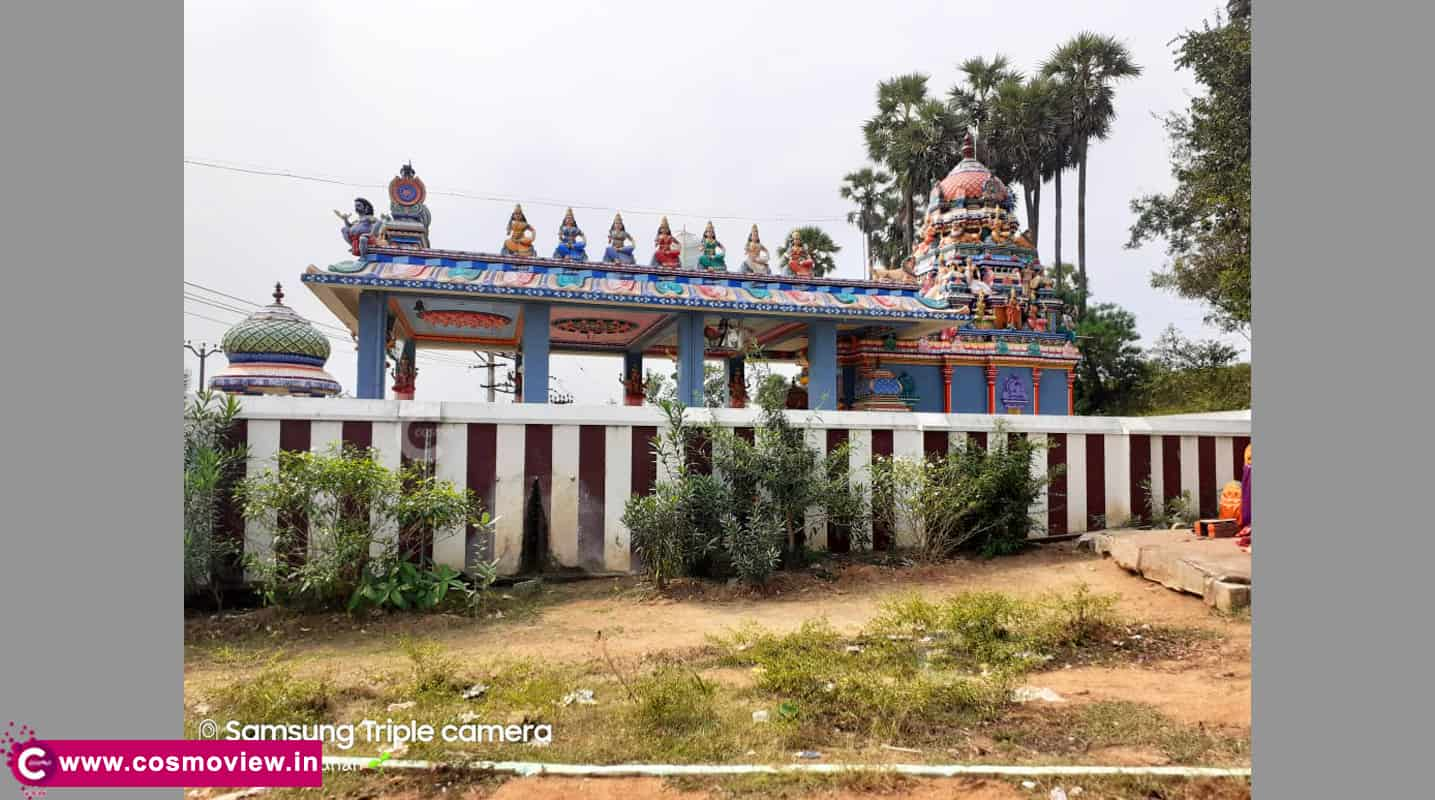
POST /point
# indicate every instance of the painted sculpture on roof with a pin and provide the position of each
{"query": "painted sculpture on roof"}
(906, 274)
(520, 235)
(360, 227)
(799, 263)
(572, 244)
(714, 256)
(408, 220)
(667, 252)
(755, 256)
(620, 243)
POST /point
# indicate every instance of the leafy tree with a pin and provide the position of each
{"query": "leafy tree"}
(1206, 220)
(818, 245)
(1172, 351)
(865, 188)
(1089, 66)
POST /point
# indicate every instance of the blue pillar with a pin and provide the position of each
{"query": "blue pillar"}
(691, 347)
(373, 341)
(822, 365)
(535, 353)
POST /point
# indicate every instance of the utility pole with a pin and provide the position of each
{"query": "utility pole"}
(490, 363)
(204, 351)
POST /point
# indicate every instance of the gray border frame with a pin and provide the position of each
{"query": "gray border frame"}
(90, 576)
(90, 579)
(1340, 693)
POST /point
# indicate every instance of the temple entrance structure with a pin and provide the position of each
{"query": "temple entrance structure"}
(968, 324)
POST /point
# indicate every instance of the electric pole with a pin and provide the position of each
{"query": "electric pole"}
(204, 351)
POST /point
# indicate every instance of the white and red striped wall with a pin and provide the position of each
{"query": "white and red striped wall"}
(588, 460)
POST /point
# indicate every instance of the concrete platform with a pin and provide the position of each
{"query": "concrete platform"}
(1212, 569)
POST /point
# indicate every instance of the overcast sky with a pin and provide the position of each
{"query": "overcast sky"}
(740, 112)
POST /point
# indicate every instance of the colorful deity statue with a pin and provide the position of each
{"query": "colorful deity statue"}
(520, 235)
(799, 263)
(359, 232)
(667, 252)
(976, 280)
(714, 256)
(755, 255)
(620, 244)
(572, 244)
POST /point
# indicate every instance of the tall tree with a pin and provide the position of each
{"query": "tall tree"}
(912, 135)
(865, 188)
(1089, 65)
(1206, 220)
(1058, 159)
(818, 245)
(1024, 130)
(975, 97)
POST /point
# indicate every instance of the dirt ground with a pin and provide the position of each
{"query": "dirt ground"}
(1209, 686)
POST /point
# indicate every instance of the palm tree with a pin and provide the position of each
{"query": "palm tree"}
(1059, 159)
(865, 187)
(818, 245)
(894, 135)
(1024, 131)
(1089, 65)
(975, 98)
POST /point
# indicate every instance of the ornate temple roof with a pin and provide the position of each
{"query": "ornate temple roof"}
(275, 351)
(971, 180)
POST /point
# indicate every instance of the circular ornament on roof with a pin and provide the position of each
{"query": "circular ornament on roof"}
(595, 326)
(407, 190)
(459, 318)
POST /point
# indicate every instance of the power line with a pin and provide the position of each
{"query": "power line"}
(494, 198)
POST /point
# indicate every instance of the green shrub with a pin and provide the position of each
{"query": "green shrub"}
(980, 498)
(432, 671)
(326, 511)
(211, 468)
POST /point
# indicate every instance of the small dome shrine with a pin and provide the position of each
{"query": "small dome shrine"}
(971, 180)
(275, 351)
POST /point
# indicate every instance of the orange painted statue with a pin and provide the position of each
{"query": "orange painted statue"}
(520, 235)
(799, 263)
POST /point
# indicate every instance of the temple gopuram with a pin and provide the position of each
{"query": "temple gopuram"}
(968, 324)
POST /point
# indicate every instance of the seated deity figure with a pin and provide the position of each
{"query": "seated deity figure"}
(799, 263)
(620, 244)
(666, 249)
(520, 235)
(365, 226)
(714, 256)
(572, 244)
(755, 255)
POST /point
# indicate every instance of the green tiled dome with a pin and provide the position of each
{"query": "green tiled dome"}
(276, 329)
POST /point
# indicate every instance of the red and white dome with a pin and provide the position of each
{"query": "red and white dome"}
(971, 180)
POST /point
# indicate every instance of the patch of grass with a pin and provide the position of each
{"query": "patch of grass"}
(792, 785)
(1116, 723)
(674, 701)
(275, 695)
(432, 673)
(884, 687)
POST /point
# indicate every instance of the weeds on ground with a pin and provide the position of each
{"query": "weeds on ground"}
(432, 673)
(277, 696)
(793, 785)
(1086, 727)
